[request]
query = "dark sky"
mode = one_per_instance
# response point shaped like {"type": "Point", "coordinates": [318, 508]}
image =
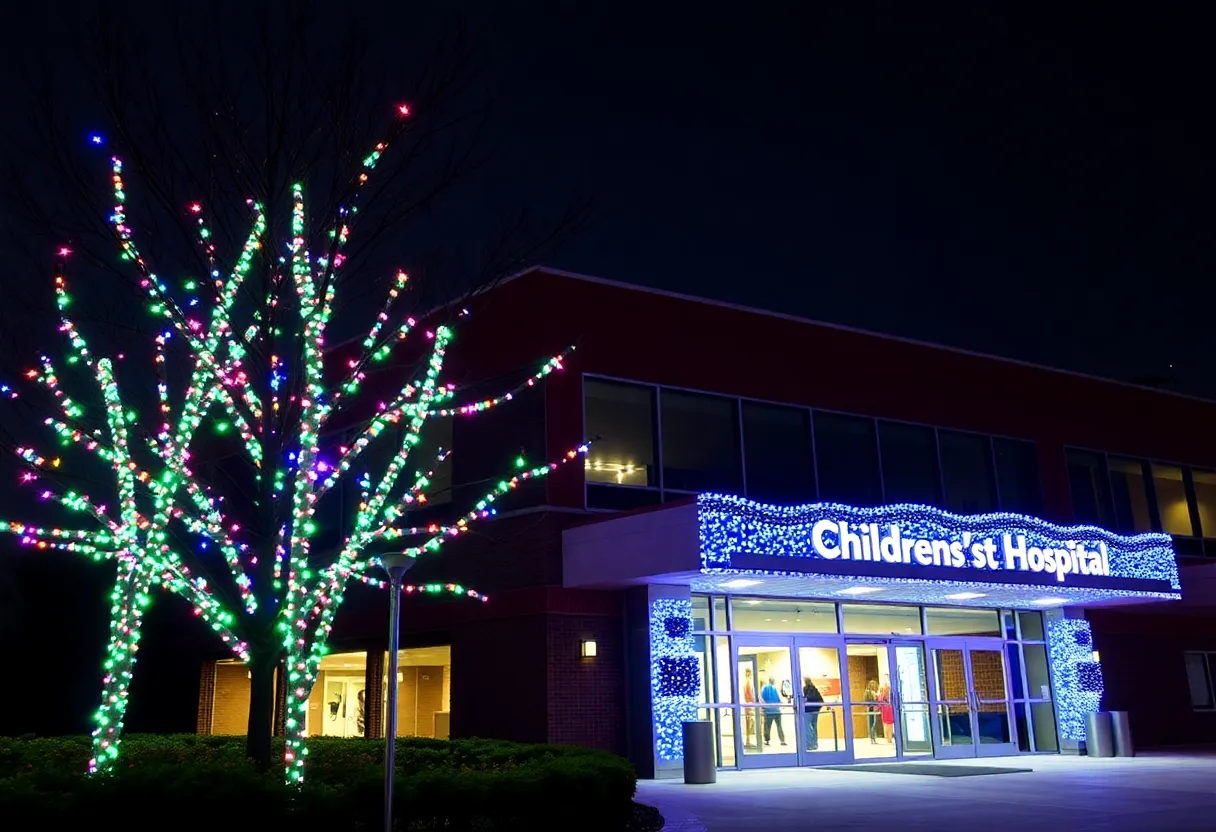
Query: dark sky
{"type": "Point", "coordinates": [1028, 183]}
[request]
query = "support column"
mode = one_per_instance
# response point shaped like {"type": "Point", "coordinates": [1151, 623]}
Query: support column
{"type": "Point", "coordinates": [206, 698]}
{"type": "Point", "coordinates": [373, 683]}
{"type": "Point", "coordinates": [674, 674]}
{"type": "Point", "coordinates": [1076, 674]}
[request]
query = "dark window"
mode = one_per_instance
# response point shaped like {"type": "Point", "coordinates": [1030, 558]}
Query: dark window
{"type": "Point", "coordinates": [620, 499]}
{"type": "Point", "coordinates": [777, 453]}
{"type": "Point", "coordinates": [967, 472]}
{"type": "Point", "coordinates": [622, 417]}
{"type": "Point", "coordinates": [1017, 476]}
{"type": "Point", "coordinates": [1130, 494]}
{"type": "Point", "coordinates": [1172, 503]}
{"type": "Point", "coordinates": [846, 455]}
{"type": "Point", "coordinates": [909, 464]}
{"type": "Point", "coordinates": [1091, 501]}
{"type": "Point", "coordinates": [487, 448]}
{"type": "Point", "coordinates": [700, 442]}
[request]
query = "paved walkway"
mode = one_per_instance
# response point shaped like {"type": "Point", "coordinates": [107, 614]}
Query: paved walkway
{"type": "Point", "coordinates": [1163, 791]}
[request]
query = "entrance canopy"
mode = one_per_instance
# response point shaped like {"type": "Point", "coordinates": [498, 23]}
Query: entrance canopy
{"type": "Point", "coordinates": [901, 553]}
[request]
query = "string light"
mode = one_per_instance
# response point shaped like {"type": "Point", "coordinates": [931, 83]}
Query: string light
{"type": "Point", "coordinates": [1076, 674]}
{"type": "Point", "coordinates": [674, 674]}
{"type": "Point", "coordinates": [158, 492]}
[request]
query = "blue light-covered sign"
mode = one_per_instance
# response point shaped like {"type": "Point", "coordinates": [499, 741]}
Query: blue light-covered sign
{"type": "Point", "coordinates": [906, 539]}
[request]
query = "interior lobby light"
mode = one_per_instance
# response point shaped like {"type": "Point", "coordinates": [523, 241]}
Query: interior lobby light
{"type": "Point", "coordinates": [860, 590]}
{"type": "Point", "coordinates": [966, 596]}
{"type": "Point", "coordinates": [587, 649]}
{"type": "Point", "coordinates": [740, 583]}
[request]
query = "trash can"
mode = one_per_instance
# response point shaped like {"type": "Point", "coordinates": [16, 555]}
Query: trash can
{"type": "Point", "coordinates": [1121, 730]}
{"type": "Point", "coordinates": [700, 763]}
{"type": "Point", "coordinates": [1099, 739]}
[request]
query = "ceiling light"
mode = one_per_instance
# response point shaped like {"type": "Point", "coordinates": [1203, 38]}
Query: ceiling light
{"type": "Point", "coordinates": [860, 590]}
{"type": "Point", "coordinates": [740, 583]}
{"type": "Point", "coordinates": [1049, 602]}
{"type": "Point", "coordinates": [751, 603]}
{"type": "Point", "coordinates": [966, 596]}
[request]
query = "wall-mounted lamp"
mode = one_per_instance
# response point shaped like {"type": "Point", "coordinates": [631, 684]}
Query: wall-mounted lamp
{"type": "Point", "coordinates": [587, 649]}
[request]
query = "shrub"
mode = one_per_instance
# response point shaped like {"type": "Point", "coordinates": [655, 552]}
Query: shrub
{"type": "Point", "coordinates": [187, 783]}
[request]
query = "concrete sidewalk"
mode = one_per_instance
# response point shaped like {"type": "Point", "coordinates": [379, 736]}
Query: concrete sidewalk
{"type": "Point", "coordinates": [1163, 791]}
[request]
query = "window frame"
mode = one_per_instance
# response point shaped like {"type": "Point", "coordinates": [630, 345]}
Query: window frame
{"type": "Point", "coordinates": [1208, 656]}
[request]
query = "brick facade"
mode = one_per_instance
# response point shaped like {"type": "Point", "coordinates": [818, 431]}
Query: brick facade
{"type": "Point", "coordinates": [586, 696]}
{"type": "Point", "coordinates": [230, 711]}
{"type": "Point", "coordinates": [206, 697]}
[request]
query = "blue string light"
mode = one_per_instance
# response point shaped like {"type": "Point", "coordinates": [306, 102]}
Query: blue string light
{"type": "Point", "coordinates": [1076, 674]}
{"type": "Point", "coordinates": [675, 675]}
{"type": "Point", "coordinates": [928, 536]}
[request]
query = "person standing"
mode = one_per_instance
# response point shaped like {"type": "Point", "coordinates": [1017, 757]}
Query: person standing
{"type": "Point", "coordinates": [813, 700]}
{"type": "Point", "coordinates": [771, 697]}
{"type": "Point", "coordinates": [886, 711]}
{"type": "Point", "coordinates": [750, 729]}
{"type": "Point", "coordinates": [871, 697]}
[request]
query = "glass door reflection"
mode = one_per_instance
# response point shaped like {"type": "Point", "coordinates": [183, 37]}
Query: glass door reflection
{"type": "Point", "coordinates": [765, 673]}
{"type": "Point", "coordinates": [819, 697]}
{"type": "Point", "coordinates": [952, 699]}
{"type": "Point", "coordinates": [912, 702]}
{"type": "Point", "coordinates": [988, 676]}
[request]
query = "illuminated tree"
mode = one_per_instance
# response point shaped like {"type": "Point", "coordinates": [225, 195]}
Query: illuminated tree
{"type": "Point", "coordinates": [259, 380]}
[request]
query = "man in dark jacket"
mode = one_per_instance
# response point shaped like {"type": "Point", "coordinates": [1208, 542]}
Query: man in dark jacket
{"type": "Point", "coordinates": [813, 700]}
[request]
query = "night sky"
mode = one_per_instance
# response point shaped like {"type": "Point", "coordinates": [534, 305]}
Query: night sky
{"type": "Point", "coordinates": [1034, 185]}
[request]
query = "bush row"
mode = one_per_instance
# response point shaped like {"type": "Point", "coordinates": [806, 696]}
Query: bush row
{"type": "Point", "coordinates": [188, 783]}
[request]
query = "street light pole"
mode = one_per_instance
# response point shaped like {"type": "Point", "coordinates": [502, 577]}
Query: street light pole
{"type": "Point", "coordinates": [396, 565]}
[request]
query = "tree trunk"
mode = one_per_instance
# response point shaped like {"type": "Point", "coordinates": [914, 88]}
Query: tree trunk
{"type": "Point", "coordinates": [262, 664]}
{"type": "Point", "coordinates": [127, 602]}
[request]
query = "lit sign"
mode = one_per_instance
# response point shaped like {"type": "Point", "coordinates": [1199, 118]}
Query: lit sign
{"type": "Point", "coordinates": [842, 540]}
{"type": "Point", "coordinates": [901, 540]}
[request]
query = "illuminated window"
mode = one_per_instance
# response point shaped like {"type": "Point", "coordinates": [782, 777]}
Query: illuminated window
{"type": "Point", "coordinates": [909, 464]}
{"type": "Point", "coordinates": [1091, 500]}
{"type": "Point", "coordinates": [700, 442]}
{"type": "Point", "coordinates": [960, 621]}
{"type": "Point", "coordinates": [337, 706]}
{"type": "Point", "coordinates": [967, 472]}
{"type": "Point", "coordinates": [1127, 483]}
{"type": "Point", "coordinates": [1205, 498]}
{"type": "Point", "coordinates": [622, 417]}
{"type": "Point", "coordinates": [846, 456]}
{"type": "Point", "coordinates": [1171, 500]}
{"type": "Point", "coordinates": [772, 616]}
{"type": "Point", "coordinates": [1017, 476]}
{"type": "Point", "coordinates": [424, 691]}
{"type": "Point", "coordinates": [777, 454]}
{"type": "Point", "coordinates": [881, 619]}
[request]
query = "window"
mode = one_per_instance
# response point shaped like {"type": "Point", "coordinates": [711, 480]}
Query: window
{"type": "Point", "coordinates": [909, 464]}
{"type": "Point", "coordinates": [954, 621]}
{"type": "Point", "coordinates": [1127, 484]}
{"type": "Point", "coordinates": [777, 454]}
{"type": "Point", "coordinates": [1205, 498]}
{"type": "Point", "coordinates": [771, 616]}
{"type": "Point", "coordinates": [967, 472]}
{"type": "Point", "coordinates": [620, 417]}
{"type": "Point", "coordinates": [882, 619]}
{"type": "Point", "coordinates": [1199, 680]}
{"type": "Point", "coordinates": [1091, 501]}
{"type": "Point", "coordinates": [846, 456]}
{"type": "Point", "coordinates": [700, 442]}
{"type": "Point", "coordinates": [1017, 476]}
{"type": "Point", "coordinates": [1171, 500]}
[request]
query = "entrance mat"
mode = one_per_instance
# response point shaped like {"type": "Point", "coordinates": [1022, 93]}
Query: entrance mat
{"type": "Point", "coordinates": [927, 769]}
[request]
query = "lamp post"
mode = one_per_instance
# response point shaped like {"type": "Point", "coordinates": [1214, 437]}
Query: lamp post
{"type": "Point", "coordinates": [396, 565]}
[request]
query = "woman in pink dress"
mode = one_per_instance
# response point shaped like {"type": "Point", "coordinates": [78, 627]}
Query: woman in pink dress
{"type": "Point", "coordinates": [887, 712]}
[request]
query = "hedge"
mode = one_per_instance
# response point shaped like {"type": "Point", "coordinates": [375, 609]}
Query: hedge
{"type": "Point", "coordinates": [188, 783]}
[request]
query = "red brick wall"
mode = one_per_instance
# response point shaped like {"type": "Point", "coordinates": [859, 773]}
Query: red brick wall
{"type": "Point", "coordinates": [206, 697]}
{"type": "Point", "coordinates": [586, 696]}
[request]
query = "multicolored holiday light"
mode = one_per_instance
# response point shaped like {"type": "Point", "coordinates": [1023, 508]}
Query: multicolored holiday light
{"type": "Point", "coordinates": [263, 591]}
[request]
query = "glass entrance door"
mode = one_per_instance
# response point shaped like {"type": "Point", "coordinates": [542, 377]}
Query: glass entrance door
{"type": "Point", "coordinates": [970, 698]}
{"type": "Point", "coordinates": [765, 673]}
{"type": "Point", "coordinates": [911, 699]}
{"type": "Point", "coordinates": [990, 696]}
{"type": "Point", "coordinates": [819, 701]}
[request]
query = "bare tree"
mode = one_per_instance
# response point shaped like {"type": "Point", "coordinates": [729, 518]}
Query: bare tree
{"type": "Point", "coordinates": [216, 456]}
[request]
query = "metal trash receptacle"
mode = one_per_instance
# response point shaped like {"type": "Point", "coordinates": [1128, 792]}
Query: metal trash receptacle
{"type": "Point", "coordinates": [1121, 731]}
{"type": "Point", "coordinates": [1099, 737]}
{"type": "Point", "coordinates": [700, 761]}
